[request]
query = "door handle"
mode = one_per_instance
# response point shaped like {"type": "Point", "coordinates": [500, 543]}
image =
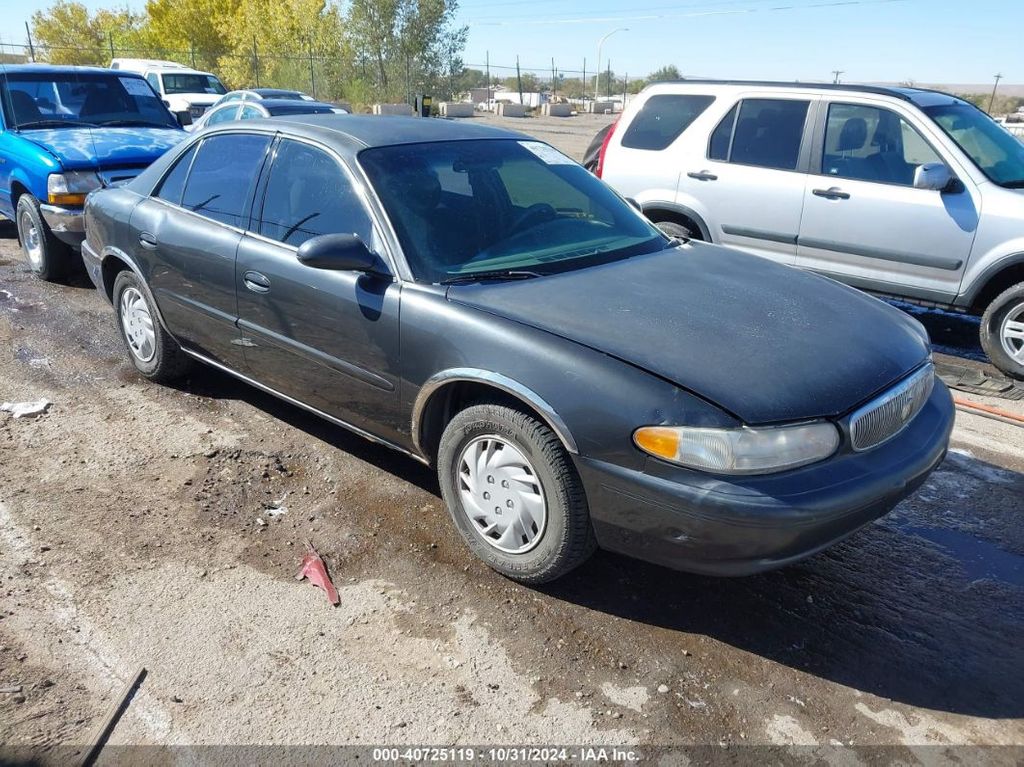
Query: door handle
{"type": "Point", "coordinates": [703, 176]}
{"type": "Point", "coordinates": [256, 282]}
{"type": "Point", "coordinates": [147, 241]}
{"type": "Point", "coordinates": [835, 193]}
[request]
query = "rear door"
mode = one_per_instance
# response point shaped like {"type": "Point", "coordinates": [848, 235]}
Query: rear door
{"type": "Point", "coordinates": [751, 177]}
{"type": "Point", "coordinates": [865, 223]}
{"type": "Point", "coordinates": [329, 339]}
{"type": "Point", "coordinates": [186, 237]}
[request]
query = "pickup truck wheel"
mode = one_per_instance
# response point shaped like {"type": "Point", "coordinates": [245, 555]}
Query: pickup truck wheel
{"type": "Point", "coordinates": [151, 349]}
{"type": "Point", "coordinates": [48, 257]}
{"type": "Point", "coordinates": [514, 493]}
{"type": "Point", "coordinates": [1002, 331]}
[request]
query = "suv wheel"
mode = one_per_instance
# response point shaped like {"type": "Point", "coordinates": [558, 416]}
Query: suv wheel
{"type": "Point", "coordinates": [1002, 331]}
{"type": "Point", "coordinates": [672, 229]}
{"type": "Point", "coordinates": [151, 349]}
{"type": "Point", "coordinates": [514, 494]}
{"type": "Point", "coordinates": [48, 257]}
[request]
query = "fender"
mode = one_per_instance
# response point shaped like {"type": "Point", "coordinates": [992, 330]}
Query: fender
{"type": "Point", "coordinates": [967, 298]}
{"type": "Point", "coordinates": [439, 380]}
{"type": "Point", "coordinates": [675, 207]}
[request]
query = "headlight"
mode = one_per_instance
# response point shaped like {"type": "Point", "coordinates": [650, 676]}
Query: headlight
{"type": "Point", "coordinates": [740, 451]}
{"type": "Point", "coordinates": [70, 188]}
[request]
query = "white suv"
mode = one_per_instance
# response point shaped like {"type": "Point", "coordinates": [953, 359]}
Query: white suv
{"type": "Point", "coordinates": [184, 90]}
{"type": "Point", "coordinates": [899, 191]}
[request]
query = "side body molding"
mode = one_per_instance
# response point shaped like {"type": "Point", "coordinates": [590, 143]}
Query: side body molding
{"type": "Point", "coordinates": [473, 375]}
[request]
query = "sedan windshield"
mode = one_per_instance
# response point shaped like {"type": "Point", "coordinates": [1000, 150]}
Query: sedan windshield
{"type": "Point", "coordinates": [998, 154]}
{"type": "Point", "coordinates": [35, 100]}
{"type": "Point", "coordinates": [192, 83]}
{"type": "Point", "coordinates": [501, 209]}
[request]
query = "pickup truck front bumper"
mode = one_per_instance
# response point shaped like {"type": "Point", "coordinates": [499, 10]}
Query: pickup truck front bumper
{"type": "Point", "coordinates": [67, 224]}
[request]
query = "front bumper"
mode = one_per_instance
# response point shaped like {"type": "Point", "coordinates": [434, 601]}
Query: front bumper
{"type": "Point", "coordinates": [93, 267]}
{"type": "Point", "coordinates": [67, 224]}
{"type": "Point", "coordinates": [718, 525]}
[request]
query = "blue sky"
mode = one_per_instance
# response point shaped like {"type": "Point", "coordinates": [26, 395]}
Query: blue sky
{"type": "Point", "coordinates": [930, 41]}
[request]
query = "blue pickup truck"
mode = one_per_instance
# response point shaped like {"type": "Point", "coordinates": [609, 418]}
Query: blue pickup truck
{"type": "Point", "coordinates": [65, 131]}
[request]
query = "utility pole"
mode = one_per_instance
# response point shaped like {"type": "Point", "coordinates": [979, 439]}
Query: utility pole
{"type": "Point", "coordinates": [519, 79]}
{"type": "Point", "coordinates": [554, 82]}
{"type": "Point", "coordinates": [255, 61]}
{"type": "Point", "coordinates": [31, 48]}
{"type": "Point", "coordinates": [992, 101]}
{"type": "Point", "coordinates": [837, 73]}
{"type": "Point", "coordinates": [488, 65]}
{"type": "Point", "coordinates": [312, 74]}
{"type": "Point", "coordinates": [110, 39]}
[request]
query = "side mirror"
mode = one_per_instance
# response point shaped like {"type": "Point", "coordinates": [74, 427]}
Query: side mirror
{"type": "Point", "coordinates": [934, 176]}
{"type": "Point", "coordinates": [184, 119]}
{"type": "Point", "coordinates": [340, 253]}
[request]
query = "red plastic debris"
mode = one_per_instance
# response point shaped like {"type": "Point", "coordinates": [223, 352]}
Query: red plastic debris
{"type": "Point", "coordinates": [314, 568]}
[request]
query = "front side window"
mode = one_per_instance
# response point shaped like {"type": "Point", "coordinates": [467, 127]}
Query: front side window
{"type": "Point", "coordinates": [996, 152]}
{"type": "Point", "coordinates": [308, 194]}
{"type": "Point", "coordinates": [663, 119]}
{"type": "Point", "coordinates": [192, 82]}
{"type": "Point", "coordinates": [866, 143]}
{"type": "Point", "coordinates": [223, 115]}
{"type": "Point", "coordinates": [766, 133]}
{"type": "Point", "coordinates": [223, 176]}
{"type": "Point", "coordinates": [462, 208]}
{"type": "Point", "coordinates": [34, 100]}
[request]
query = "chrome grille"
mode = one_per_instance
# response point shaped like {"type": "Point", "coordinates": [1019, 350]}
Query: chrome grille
{"type": "Point", "coordinates": [885, 417]}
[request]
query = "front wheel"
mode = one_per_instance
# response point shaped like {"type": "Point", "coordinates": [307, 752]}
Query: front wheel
{"type": "Point", "coordinates": [1002, 331]}
{"type": "Point", "coordinates": [672, 229]}
{"type": "Point", "coordinates": [48, 257]}
{"type": "Point", "coordinates": [514, 494]}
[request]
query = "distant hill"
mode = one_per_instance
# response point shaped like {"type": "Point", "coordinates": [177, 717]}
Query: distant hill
{"type": "Point", "coordinates": [1005, 89]}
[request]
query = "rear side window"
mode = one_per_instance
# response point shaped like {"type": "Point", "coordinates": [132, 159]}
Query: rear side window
{"type": "Point", "coordinates": [766, 133]}
{"type": "Point", "coordinates": [174, 182]}
{"type": "Point", "coordinates": [662, 120]}
{"type": "Point", "coordinates": [223, 176]}
{"type": "Point", "coordinates": [223, 115]}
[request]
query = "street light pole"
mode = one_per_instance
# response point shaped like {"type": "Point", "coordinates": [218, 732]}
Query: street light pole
{"type": "Point", "coordinates": [597, 77]}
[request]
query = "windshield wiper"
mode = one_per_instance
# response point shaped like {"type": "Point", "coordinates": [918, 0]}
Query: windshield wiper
{"type": "Point", "coordinates": [135, 123]}
{"type": "Point", "coordinates": [56, 124]}
{"type": "Point", "coordinates": [498, 274]}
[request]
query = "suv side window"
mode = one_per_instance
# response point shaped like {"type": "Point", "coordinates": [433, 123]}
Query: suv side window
{"type": "Point", "coordinates": [173, 185]}
{"type": "Point", "coordinates": [662, 120]}
{"type": "Point", "coordinates": [308, 194]}
{"type": "Point", "coordinates": [223, 176]}
{"type": "Point", "coordinates": [866, 143]}
{"type": "Point", "coordinates": [766, 133]}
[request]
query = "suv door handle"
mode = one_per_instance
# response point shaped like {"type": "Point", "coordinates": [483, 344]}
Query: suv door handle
{"type": "Point", "coordinates": [147, 241]}
{"type": "Point", "coordinates": [256, 282]}
{"type": "Point", "coordinates": [835, 193]}
{"type": "Point", "coordinates": [703, 176]}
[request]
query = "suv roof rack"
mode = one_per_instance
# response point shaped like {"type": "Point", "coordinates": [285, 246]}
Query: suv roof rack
{"type": "Point", "coordinates": [900, 92]}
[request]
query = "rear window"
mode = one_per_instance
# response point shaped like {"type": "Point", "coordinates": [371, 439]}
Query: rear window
{"type": "Point", "coordinates": [662, 120]}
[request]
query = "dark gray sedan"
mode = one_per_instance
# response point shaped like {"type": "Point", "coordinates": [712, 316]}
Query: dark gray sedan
{"type": "Point", "coordinates": [477, 300]}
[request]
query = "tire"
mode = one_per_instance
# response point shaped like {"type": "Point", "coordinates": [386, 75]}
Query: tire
{"type": "Point", "coordinates": [150, 348]}
{"type": "Point", "coordinates": [561, 538]}
{"type": "Point", "coordinates": [1006, 309]}
{"type": "Point", "coordinates": [672, 229]}
{"type": "Point", "coordinates": [48, 258]}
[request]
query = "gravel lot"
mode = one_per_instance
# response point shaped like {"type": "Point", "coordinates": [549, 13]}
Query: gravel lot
{"type": "Point", "coordinates": [134, 532]}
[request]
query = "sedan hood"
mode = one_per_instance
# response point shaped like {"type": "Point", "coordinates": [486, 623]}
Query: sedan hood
{"type": "Point", "coordinates": [766, 342]}
{"type": "Point", "coordinates": [78, 148]}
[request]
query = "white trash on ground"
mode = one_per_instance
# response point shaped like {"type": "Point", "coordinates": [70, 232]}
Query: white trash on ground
{"type": "Point", "coordinates": [26, 409]}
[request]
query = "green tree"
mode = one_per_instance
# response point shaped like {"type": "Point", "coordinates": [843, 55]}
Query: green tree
{"type": "Point", "coordinates": [66, 33]}
{"type": "Point", "coordinates": [670, 72]}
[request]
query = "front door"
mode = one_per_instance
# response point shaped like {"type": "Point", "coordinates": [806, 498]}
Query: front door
{"type": "Point", "coordinates": [752, 179]}
{"type": "Point", "coordinates": [186, 236]}
{"type": "Point", "coordinates": [866, 224]}
{"type": "Point", "coordinates": [329, 339]}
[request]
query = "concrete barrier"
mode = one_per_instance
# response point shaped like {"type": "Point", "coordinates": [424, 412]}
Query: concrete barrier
{"type": "Point", "coordinates": [405, 110]}
{"type": "Point", "coordinates": [600, 107]}
{"type": "Point", "coordinates": [506, 109]}
{"type": "Point", "coordinates": [456, 109]}
{"type": "Point", "coordinates": [557, 110]}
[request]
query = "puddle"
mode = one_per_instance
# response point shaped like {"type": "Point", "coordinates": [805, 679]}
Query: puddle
{"type": "Point", "coordinates": [979, 558]}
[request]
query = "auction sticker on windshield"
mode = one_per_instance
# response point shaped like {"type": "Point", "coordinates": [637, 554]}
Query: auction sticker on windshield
{"type": "Point", "coordinates": [136, 86]}
{"type": "Point", "coordinates": [548, 154]}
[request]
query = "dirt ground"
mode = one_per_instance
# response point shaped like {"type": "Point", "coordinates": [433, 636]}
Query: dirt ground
{"type": "Point", "coordinates": [143, 526]}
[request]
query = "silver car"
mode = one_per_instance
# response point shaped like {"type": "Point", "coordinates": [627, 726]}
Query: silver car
{"type": "Point", "coordinates": [904, 192]}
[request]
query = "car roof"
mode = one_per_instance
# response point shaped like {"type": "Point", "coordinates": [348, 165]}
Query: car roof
{"type": "Point", "coordinates": [919, 96]}
{"type": "Point", "coordinates": [379, 130]}
{"type": "Point", "coordinates": [293, 106]}
{"type": "Point", "coordinates": [63, 69]}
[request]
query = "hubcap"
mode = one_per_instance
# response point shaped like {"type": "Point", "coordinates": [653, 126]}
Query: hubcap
{"type": "Point", "coordinates": [1012, 333]}
{"type": "Point", "coordinates": [138, 325]}
{"type": "Point", "coordinates": [502, 495]}
{"type": "Point", "coordinates": [31, 241]}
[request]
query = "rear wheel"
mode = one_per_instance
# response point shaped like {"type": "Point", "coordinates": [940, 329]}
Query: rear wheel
{"type": "Point", "coordinates": [1002, 331]}
{"type": "Point", "coordinates": [48, 257]}
{"type": "Point", "coordinates": [514, 493]}
{"type": "Point", "coordinates": [151, 349]}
